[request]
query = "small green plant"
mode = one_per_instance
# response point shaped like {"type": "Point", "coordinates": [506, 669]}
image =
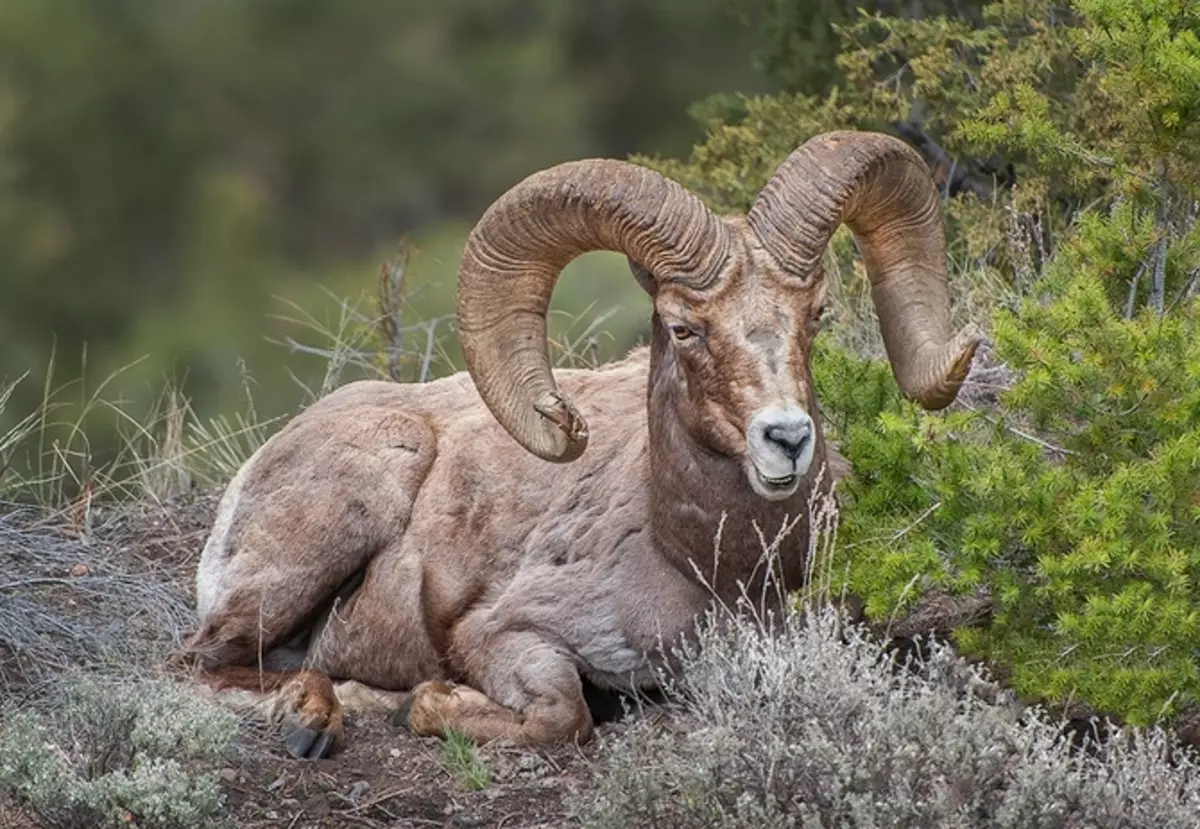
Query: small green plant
{"type": "Point", "coordinates": [461, 759]}
{"type": "Point", "coordinates": [113, 753]}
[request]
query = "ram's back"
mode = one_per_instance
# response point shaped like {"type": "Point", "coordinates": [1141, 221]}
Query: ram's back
{"type": "Point", "coordinates": [424, 470]}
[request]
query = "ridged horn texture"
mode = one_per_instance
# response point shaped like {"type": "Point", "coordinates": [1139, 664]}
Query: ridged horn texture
{"type": "Point", "coordinates": [514, 255]}
{"type": "Point", "coordinates": [881, 188]}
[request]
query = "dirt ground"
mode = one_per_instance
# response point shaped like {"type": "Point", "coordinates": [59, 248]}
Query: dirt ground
{"type": "Point", "coordinates": [385, 777]}
{"type": "Point", "coordinates": [380, 775]}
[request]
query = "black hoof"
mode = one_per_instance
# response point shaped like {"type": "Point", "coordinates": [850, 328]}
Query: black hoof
{"type": "Point", "coordinates": [322, 747]}
{"type": "Point", "coordinates": [305, 743]}
{"type": "Point", "coordinates": [400, 716]}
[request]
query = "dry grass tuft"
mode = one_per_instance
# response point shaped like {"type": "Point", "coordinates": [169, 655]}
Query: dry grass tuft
{"type": "Point", "coordinates": [47, 457]}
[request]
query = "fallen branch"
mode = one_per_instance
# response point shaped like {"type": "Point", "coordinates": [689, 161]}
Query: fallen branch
{"type": "Point", "coordinates": [980, 177]}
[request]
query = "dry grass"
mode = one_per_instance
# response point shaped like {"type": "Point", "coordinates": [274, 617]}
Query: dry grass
{"type": "Point", "coordinates": [379, 344]}
{"type": "Point", "coordinates": [47, 457]}
{"type": "Point", "coordinates": [92, 598]}
{"type": "Point", "coordinates": [92, 728]}
{"type": "Point", "coordinates": [385, 343]}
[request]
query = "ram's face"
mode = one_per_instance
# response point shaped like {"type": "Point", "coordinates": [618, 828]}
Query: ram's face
{"type": "Point", "coordinates": [737, 299]}
{"type": "Point", "coordinates": [741, 354]}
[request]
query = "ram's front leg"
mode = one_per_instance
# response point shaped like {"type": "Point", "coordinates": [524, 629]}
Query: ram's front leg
{"type": "Point", "coordinates": [533, 695]}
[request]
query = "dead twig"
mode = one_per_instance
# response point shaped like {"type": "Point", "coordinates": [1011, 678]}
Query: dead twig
{"type": "Point", "coordinates": [383, 798]}
{"type": "Point", "coordinates": [392, 285]}
{"type": "Point", "coordinates": [15, 585]}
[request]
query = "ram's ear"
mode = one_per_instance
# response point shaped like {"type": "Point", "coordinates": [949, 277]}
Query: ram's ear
{"type": "Point", "coordinates": [643, 277]}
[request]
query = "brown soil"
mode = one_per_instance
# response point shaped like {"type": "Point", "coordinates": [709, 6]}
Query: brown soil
{"type": "Point", "coordinates": [385, 777]}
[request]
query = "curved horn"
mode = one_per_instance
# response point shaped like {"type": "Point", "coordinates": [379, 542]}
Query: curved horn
{"type": "Point", "coordinates": [514, 255]}
{"type": "Point", "coordinates": [882, 190]}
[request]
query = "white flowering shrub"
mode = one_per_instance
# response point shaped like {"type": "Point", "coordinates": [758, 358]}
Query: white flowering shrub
{"type": "Point", "coordinates": [112, 754]}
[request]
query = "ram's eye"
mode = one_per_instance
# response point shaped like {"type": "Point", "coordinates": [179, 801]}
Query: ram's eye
{"type": "Point", "coordinates": [681, 332]}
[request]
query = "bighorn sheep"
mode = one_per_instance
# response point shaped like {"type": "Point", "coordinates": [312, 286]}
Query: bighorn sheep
{"type": "Point", "coordinates": [419, 538]}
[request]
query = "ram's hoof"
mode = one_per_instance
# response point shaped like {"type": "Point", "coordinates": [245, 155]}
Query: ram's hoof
{"type": "Point", "coordinates": [306, 743]}
{"type": "Point", "coordinates": [400, 716]}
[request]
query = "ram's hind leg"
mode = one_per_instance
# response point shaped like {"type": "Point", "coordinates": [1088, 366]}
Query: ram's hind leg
{"type": "Point", "coordinates": [296, 535]}
{"type": "Point", "coordinates": [302, 520]}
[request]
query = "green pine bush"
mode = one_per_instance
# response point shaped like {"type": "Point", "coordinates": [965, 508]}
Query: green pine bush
{"type": "Point", "coordinates": [1074, 505]}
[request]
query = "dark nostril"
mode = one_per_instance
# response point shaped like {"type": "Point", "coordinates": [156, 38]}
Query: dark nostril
{"type": "Point", "coordinates": [791, 438]}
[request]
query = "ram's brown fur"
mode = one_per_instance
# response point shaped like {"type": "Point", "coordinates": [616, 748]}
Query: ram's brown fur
{"type": "Point", "coordinates": [397, 537]}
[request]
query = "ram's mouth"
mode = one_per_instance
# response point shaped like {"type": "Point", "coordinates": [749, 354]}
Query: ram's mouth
{"type": "Point", "coordinates": [776, 483]}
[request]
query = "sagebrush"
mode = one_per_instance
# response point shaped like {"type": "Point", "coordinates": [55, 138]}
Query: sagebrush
{"type": "Point", "coordinates": [115, 753]}
{"type": "Point", "coordinates": [816, 725]}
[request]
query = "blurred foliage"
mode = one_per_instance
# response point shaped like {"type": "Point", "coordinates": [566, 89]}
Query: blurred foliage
{"type": "Point", "coordinates": [796, 45]}
{"type": "Point", "coordinates": [736, 158]}
{"type": "Point", "coordinates": [166, 168]}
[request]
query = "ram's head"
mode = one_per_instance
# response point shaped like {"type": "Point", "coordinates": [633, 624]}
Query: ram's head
{"type": "Point", "coordinates": [736, 298]}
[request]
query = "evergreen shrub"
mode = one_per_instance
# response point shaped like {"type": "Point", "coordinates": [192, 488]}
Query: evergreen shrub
{"type": "Point", "coordinates": [1074, 505]}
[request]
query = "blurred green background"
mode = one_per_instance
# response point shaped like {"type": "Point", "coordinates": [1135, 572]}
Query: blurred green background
{"type": "Point", "coordinates": [182, 184]}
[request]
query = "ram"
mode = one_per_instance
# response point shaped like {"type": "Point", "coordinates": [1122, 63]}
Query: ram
{"type": "Point", "coordinates": [449, 550]}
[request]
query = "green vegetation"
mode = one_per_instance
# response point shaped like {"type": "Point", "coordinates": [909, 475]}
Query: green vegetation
{"type": "Point", "coordinates": [1073, 505]}
{"type": "Point", "coordinates": [461, 759]}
